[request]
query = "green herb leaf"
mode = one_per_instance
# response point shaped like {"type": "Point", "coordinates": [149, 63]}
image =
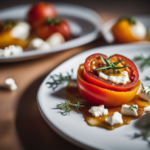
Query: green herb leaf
{"type": "Point", "coordinates": [132, 107]}
{"type": "Point", "coordinates": [147, 78]}
{"type": "Point", "coordinates": [111, 65]}
{"type": "Point", "coordinates": [59, 79]}
{"type": "Point", "coordinates": [65, 106]}
{"type": "Point", "coordinates": [53, 21]}
{"type": "Point", "coordinates": [145, 62]}
{"type": "Point", "coordinates": [130, 19]}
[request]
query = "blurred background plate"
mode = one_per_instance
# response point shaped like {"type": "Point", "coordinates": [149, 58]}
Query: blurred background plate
{"type": "Point", "coordinates": [106, 29]}
{"type": "Point", "coordinates": [85, 25]}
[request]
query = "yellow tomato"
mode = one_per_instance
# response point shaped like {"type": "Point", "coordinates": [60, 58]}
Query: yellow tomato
{"type": "Point", "coordinates": [125, 31]}
{"type": "Point", "coordinates": [6, 39]}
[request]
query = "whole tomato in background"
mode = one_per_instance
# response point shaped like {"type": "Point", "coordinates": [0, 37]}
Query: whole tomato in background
{"type": "Point", "coordinates": [53, 25]}
{"type": "Point", "coordinates": [38, 12]}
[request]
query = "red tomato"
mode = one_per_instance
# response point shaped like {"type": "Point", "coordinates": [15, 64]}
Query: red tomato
{"type": "Point", "coordinates": [100, 96]}
{"type": "Point", "coordinates": [91, 77]}
{"type": "Point", "coordinates": [54, 25]}
{"type": "Point", "coordinates": [39, 12]}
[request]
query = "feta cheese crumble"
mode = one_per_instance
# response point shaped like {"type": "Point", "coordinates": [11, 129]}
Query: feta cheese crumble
{"type": "Point", "coordinates": [10, 50]}
{"type": "Point", "coordinates": [138, 30]}
{"type": "Point", "coordinates": [55, 39]}
{"type": "Point", "coordinates": [129, 110]}
{"type": "Point", "coordinates": [21, 31]}
{"type": "Point", "coordinates": [11, 84]}
{"type": "Point", "coordinates": [147, 109]}
{"type": "Point", "coordinates": [35, 43]}
{"type": "Point", "coordinates": [116, 118]}
{"type": "Point", "coordinates": [145, 93]}
{"type": "Point", "coordinates": [98, 111]}
{"type": "Point", "coordinates": [124, 78]}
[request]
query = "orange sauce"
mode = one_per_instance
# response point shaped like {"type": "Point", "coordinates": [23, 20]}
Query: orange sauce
{"type": "Point", "coordinates": [72, 93]}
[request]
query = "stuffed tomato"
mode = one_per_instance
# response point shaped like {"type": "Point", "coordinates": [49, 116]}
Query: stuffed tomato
{"type": "Point", "coordinates": [110, 81]}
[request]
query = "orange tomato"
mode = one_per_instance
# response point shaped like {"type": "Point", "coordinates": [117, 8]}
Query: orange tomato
{"type": "Point", "coordinates": [97, 95]}
{"type": "Point", "coordinates": [6, 39]}
{"type": "Point", "coordinates": [122, 33]}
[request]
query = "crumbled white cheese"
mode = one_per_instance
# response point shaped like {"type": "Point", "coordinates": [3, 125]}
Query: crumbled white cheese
{"type": "Point", "coordinates": [44, 46]}
{"type": "Point", "coordinates": [138, 30]}
{"type": "Point", "coordinates": [129, 110]}
{"type": "Point", "coordinates": [147, 109]}
{"type": "Point", "coordinates": [55, 39]}
{"type": "Point", "coordinates": [35, 43]}
{"type": "Point", "coordinates": [123, 78]}
{"type": "Point", "coordinates": [98, 111]}
{"type": "Point", "coordinates": [11, 84]}
{"type": "Point", "coordinates": [21, 31]}
{"type": "Point", "coordinates": [116, 118]}
{"type": "Point", "coordinates": [145, 93]}
{"type": "Point", "coordinates": [11, 50]}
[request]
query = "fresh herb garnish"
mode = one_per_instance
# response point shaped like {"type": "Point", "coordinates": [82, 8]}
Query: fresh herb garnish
{"type": "Point", "coordinates": [144, 61]}
{"type": "Point", "coordinates": [53, 21]}
{"type": "Point", "coordinates": [8, 24]}
{"type": "Point", "coordinates": [65, 106]}
{"type": "Point", "coordinates": [146, 90]}
{"type": "Point", "coordinates": [132, 107]}
{"type": "Point", "coordinates": [130, 19]}
{"type": "Point", "coordinates": [59, 79]}
{"type": "Point", "coordinates": [110, 65]}
{"type": "Point", "coordinates": [147, 78]}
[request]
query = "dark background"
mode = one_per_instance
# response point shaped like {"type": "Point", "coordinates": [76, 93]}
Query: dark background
{"type": "Point", "coordinates": [137, 7]}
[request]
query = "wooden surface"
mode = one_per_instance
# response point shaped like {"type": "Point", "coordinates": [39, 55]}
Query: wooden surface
{"type": "Point", "coordinates": [21, 124]}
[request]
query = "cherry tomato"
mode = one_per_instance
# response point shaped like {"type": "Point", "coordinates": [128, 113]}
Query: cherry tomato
{"type": "Point", "coordinates": [100, 96]}
{"type": "Point", "coordinates": [91, 76]}
{"type": "Point", "coordinates": [39, 12]}
{"type": "Point", "coordinates": [54, 25]}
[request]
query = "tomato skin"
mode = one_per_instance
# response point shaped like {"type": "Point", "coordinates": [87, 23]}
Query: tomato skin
{"type": "Point", "coordinates": [46, 30]}
{"type": "Point", "coordinates": [91, 78]}
{"type": "Point", "coordinates": [122, 33]}
{"type": "Point", "coordinates": [39, 12]}
{"type": "Point", "coordinates": [100, 96]}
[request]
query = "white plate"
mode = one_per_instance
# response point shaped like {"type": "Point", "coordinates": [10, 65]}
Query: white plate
{"type": "Point", "coordinates": [106, 28]}
{"type": "Point", "coordinates": [73, 128]}
{"type": "Point", "coordinates": [84, 23]}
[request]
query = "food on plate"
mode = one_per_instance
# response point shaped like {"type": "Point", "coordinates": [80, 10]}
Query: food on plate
{"type": "Point", "coordinates": [53, 25]}
{"type": "Point", "coordinates": [39, 12]}
{"type": "Point", "coordinates": [145, 93]}
{"type": "Point", "coordinates": [116, 118]}
{"type": "Point", "coordinates": [107, 72]}
{"type": "Point", "coordinates": [55, 39]}
{"type": "Point", "coordinates": [14, 32]}
{"type": "Point", "coordinates": [129, 29]}
{"type": "Point", "coordinates": [11, 50]}
{"type": "Point", "coordinates": [11, 84]}
{"type": "Point", "coordinates": [43, 30]}
{"type": "Point", "coordinates": [101, 106]}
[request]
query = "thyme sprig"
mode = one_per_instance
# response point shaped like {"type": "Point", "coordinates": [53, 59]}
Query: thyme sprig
{"type": "Point", "coordinates": [132, 107]}
{"type": "Point", "coordinates": [65, 106]}
{"type": "Point", "coordinates": [110, 65]}
{"type": "Point", "coordinates": [147, 78]}
{"type": "Point", "coordinates": [59, 79]}
{"type": "Point", "coordinates": [144, 61]}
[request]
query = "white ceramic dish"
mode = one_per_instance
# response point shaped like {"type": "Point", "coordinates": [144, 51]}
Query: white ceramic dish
{"type": "Point", "coordinates": [84, 23]}
{"type": "Point", "coordinates": [106, 28]}
{"type": "Point", "coordinates": [73, 128]}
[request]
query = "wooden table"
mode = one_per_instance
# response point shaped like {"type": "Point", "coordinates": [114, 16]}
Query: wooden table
{"type": "Point", "coordinates": [21, 124]}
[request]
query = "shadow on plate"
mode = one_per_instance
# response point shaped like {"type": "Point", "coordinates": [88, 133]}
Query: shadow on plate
{"type": "Point", "coordinates": [32, 130]}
